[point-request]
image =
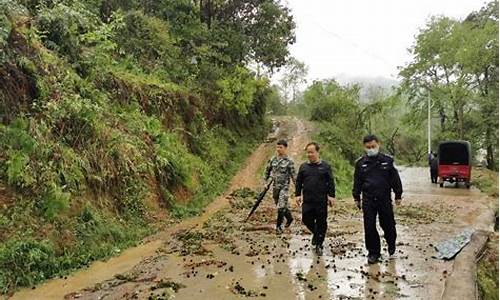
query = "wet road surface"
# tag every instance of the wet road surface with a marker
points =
(217, 256)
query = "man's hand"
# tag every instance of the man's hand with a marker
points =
(298, 200)
(265, 182)
(398, 202)
(358, 203)
(331, 201)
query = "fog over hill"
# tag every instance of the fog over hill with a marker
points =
(368, 83)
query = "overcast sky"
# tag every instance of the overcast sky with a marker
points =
(366, 38)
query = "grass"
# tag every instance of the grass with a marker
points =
(487, 270)
(486, 180)
(56, 238)
(32, 255)
(215, 174)
(97, 148)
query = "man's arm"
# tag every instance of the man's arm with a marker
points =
(331, 183)
(299, 182)
(356, 187)
(395, 180)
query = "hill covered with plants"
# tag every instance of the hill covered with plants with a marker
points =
(115, 115)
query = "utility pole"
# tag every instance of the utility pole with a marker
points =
(429, 122)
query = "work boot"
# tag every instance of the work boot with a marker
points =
(289, 218)
(319, 250)
(373, 258)
(313, 240)
(391, 249)
(279, 220)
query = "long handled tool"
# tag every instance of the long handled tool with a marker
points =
(259, 199)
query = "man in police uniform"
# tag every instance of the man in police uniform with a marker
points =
(282, 170)
(374, 178)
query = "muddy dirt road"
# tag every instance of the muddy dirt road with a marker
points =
(216, 256)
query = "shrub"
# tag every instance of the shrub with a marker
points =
(148, 40)
(62, 24)
(26, 262)
(54, 202)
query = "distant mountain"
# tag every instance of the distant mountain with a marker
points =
(368, 83)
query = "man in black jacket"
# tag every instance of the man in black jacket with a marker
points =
(374, 178)
(314, 189)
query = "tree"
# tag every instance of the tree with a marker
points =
(337, 108)
(435, 72)
(275, 103)
(456, 64)
(480, 59)
(295, 73)
(255, 30)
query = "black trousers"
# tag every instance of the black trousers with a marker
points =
(314, 217)
(382, 208)
(434, 175)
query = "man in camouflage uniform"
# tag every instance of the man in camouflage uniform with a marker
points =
(282, 170)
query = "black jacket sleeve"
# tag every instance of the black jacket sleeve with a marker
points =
(299, 182)
(331, 182)
(396, 185)
(357, 183)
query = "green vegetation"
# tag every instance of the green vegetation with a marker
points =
(456, 64)
(115, 114)
(342, 120)
(487, 273)
(486, 180)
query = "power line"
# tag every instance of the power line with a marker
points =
(351, 43)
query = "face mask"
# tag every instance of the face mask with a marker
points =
(372, 152)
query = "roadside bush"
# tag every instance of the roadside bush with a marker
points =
(54, 202)
(61, 26)
(26, 262)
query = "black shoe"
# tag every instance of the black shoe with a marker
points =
(391, 249)
(373, 258)
(279, 230)
(319, 250)
(279, 219)
(289, 218)
(313, 240)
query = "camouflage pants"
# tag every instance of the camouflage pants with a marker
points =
(280, 196)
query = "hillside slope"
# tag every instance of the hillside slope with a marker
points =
(117, 116)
